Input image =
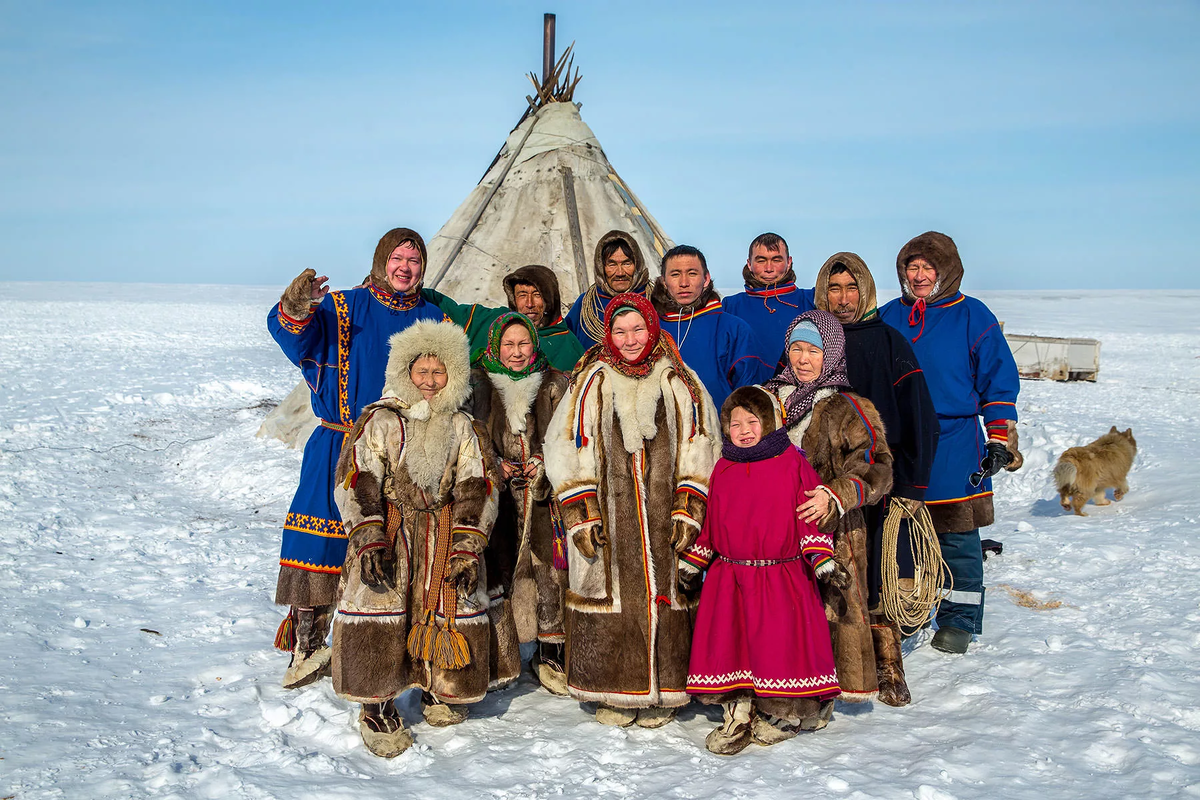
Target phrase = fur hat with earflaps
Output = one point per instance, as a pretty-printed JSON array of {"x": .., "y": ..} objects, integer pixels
[
  {"x": 942, "y": 254},
  {"x": 448, "y": 343},
  {"x": 759, "y": 402},
  {"x": 390, "y": 241}
]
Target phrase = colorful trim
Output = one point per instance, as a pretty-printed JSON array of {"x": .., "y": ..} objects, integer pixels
[
  {"x": 786, "y": 288},
  {"x": 574, "y": 497},
  {"x": 292, "y": 326},
  {"x": 315, "y": 526},
  {"x": 335, "y": 426},
  {"x": 744, "y": 679},
  {"x": 860, "y": 490},
  {"x": 695, "y": 559},
  {"x": 998, "y": 403},
  {"x": 394, "y": 302},
  {"x": 309, "y": 567},
  {"x": 343, "y": 340},
  {"x": 693, "y": 488},
  {"x": 870, "y": 454},
  {"x": 366, "y": 523},
  {"x": 997, "y": 430},
  {"x": 957, "y": 499},
  {"x": 580, "y": 439},
  {"x": 905, "y": 375},
  {"x": 680, "y": 316}
]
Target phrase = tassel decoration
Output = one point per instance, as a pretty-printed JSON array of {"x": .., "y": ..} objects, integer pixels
[
  {"x": 451, "y": 651},
  {"x": 559, "y": 542},
  {"x": 285, "y": 637}
]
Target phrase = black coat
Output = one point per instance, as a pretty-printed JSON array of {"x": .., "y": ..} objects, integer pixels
[{"x": 883, "y": 369}]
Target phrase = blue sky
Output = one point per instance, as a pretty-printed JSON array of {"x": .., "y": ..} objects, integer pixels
[{"x": 223, "y": 142}]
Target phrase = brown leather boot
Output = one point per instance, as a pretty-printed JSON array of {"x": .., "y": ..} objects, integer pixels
[{"x": 889, "y": 664}]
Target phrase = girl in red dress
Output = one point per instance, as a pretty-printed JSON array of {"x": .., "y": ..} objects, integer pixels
[{"x": 761, "y": 646}]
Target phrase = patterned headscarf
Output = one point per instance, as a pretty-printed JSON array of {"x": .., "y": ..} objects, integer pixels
[
  {"x": 490, "y": 359},
  {"x": 833, "y": 368},
  {"x": 658, "y": 344}
]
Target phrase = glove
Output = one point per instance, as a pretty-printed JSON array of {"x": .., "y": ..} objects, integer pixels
[
  {"x": 588, "y": 540},
  {"x": 464, "y": 572},
  {"x": 683, "y": 535},
  {"x": 995, "y": 459},
  {"x": 834, "y": 574},
  {"x": 372, "y": 567}
]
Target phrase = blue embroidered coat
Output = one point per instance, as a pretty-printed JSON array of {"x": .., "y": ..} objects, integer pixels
[
  {"x": 970, "y": 372},
  {"x": 341, "y": 350},
  {"x": 769, "y": 312}
]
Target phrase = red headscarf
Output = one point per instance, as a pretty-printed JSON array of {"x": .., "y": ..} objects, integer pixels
[{"x": 658, "y": 344}]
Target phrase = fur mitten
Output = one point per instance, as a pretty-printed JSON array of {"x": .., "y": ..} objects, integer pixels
[
  {"x": 683, "y": 534},
  {"x": 589, "y": 538},
  {"x": 1017, "y": 458},
  {"x": 463, "y": 571},
  {"x": 296, "y": 301},
  {"x": 834, "y": 574}
]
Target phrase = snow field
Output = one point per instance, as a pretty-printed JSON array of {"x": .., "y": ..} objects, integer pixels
[{"x": 133, "y": 495}]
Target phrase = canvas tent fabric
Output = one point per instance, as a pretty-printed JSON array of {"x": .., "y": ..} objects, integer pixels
[{"x": 547, "y": 199}]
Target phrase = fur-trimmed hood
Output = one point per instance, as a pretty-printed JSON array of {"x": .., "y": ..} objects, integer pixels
[
  {"x": 389, "y": 242},
  {"x": 759, "y": 402},
  {"x": 547, "y": 284},
  {"x": 445, "y": 340},
  {"x": 862, "y": 276},
  {"x": 665, "y": 304},
  {"x": 641, "y": 273},
  {"x": 941, "y": 252},
  {"x": 752, "y": 281}
]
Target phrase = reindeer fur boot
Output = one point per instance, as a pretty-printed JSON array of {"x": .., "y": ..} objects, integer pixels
[
  {"x": 889, "y": 664},
  {"x": 310, "y": 656},
  {"x": 382, "y": 730},
  {"x": 549, "y": 668},
  {"x": 439, "y": 714},
  {"x": 655, "y": 717},
  {"x": 733, "y": 735},
  {"x": 820, "y": 719},
  {"x": 619, "y": 717}
]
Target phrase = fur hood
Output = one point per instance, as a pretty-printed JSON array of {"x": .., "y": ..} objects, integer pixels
[
  {"x": 665, "y": 304},
  {"x": 862, "y": 276},
  {"x": 547, "y": 284},
  {"x": 390, "y": 241},
  {"x": 940, "y": 251},
  {"x": 641, "y": 273},
  {"x": 759, "y": 402},
  {"x": 752, "y": 281},
  {"x": 445, "y": 340}
]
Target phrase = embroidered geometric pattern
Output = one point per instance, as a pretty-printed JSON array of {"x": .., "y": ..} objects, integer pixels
[
  {"x": 744, "y": 678},
  {"x": 309, "y": 567},
  {"x": 343, "y": 334},
  {"x": 304, "y": 523},
  {"x": 681, "y": 316},
  {"x": 290, "y": 325},
  {"x": 395, "y": 302}
]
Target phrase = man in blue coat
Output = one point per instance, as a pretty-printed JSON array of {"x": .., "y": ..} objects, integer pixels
[
  {"x": 618, "y": 267},
  {"x": 771, "y": 300},
  {"x": 971, "y": 374},
  {"x": 719, "y": 347},
  {"x": 339, "y": 340}
]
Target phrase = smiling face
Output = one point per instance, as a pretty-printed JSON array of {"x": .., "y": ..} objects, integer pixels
[
  {"x": 806, "y": 361},
  {"x": 685, "y": 279},
  {"x": 618, "y": 270},
  {"x": 921, "y": 276},
  {"x": 629, "y": 335},
  {"x": 428, "y": 374},
  {"x": 404, "y": 268},
  {"x": 769, "y": 266},
  {"x": 528, "y": 301},
  {"x": 516, "y": 347},
  {"x": 745, "y": 429},
  {"x": 842, "y": 296}
]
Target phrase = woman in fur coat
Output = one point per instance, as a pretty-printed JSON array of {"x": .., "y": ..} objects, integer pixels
[
  {"x": 629, "y": 453},
  {"x": 761, "y": 645},
  {"x": 414, "y": 494},
  {"x": 515, "y": 392},
  {"x": 843, "y": 438}
]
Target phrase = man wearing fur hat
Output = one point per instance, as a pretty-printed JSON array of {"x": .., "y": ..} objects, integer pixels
[
  {"x": 418, "y": 502},
  {"x": 772, "y": 299},
  {"x": 718, "y": 346},
  {"x": 971, "y": 374},
  {"x": 618, "y": 267},
  {"x": 881, "y": 367},
  {"x": 339, "y": 342}
]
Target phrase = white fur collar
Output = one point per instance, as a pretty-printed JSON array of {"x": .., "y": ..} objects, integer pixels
[
  {"x": 517, "y": 395},
  {"x": 796, "y": 434},
  {"x": 635, "y": 401}
]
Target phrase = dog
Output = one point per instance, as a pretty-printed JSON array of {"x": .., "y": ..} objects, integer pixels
[{"x": 1085, "y": 472}]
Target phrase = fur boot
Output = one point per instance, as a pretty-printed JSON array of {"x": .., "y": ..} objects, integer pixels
[
  {"x": 310, "y": 656},
  {"x": 655, "y": 716},
  {"x": 382, "y": 730},
  {"x": 820, "y": 719},
  {"x": 889, "y": 664},
  {"x": 439, "y": 714},
  {"x": 767, "y": 730},
  {"x": 733, "y": 735},
  {"x": 549, "y": 668},
  {"x": 619, "y": 717}
]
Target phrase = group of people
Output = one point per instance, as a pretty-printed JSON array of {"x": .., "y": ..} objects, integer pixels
[{"x": 671, "y": 494}]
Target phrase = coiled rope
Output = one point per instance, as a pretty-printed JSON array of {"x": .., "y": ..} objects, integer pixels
[{"x": 911, "y": 607}]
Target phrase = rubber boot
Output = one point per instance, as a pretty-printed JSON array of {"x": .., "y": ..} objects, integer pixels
[
  {"x": 951, "y": 640},
  {"x": 889, "y": 664},
  {"x": 549, "y": 668},
  {"x": 733, "y": 735},
  {"x": 310, "y": 657},
  {"x": 382, "y": 730}
]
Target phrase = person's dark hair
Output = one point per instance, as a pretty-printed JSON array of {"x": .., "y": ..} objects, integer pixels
[
  {"x": 518, "y": 284},
  {"x": 838, "y": 268},
  {"x": 771, "y": 241},
  {"x": 683, "y": 250},
  {"x": 612, "y": 247}
]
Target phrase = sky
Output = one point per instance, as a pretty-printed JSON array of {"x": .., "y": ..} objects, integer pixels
[{"x": 242, "y": 142}]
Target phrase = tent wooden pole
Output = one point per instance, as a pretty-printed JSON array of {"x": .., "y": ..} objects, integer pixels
[{"x": 547, "y": 47}]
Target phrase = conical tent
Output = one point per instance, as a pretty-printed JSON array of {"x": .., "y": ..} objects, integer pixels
[{"x": 548, "y": 198}]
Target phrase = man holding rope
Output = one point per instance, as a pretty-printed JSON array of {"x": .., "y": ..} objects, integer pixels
[{"x": 881, "y": 366}]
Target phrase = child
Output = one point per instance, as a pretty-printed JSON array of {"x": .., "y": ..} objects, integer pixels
[{"x": 761, "y": 647}]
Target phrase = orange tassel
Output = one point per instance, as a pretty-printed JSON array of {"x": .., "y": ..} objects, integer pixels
[{"x": 285, "y": 637}]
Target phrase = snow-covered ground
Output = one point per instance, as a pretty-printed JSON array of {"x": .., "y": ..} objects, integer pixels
[{"x": 139, "y": 529}]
